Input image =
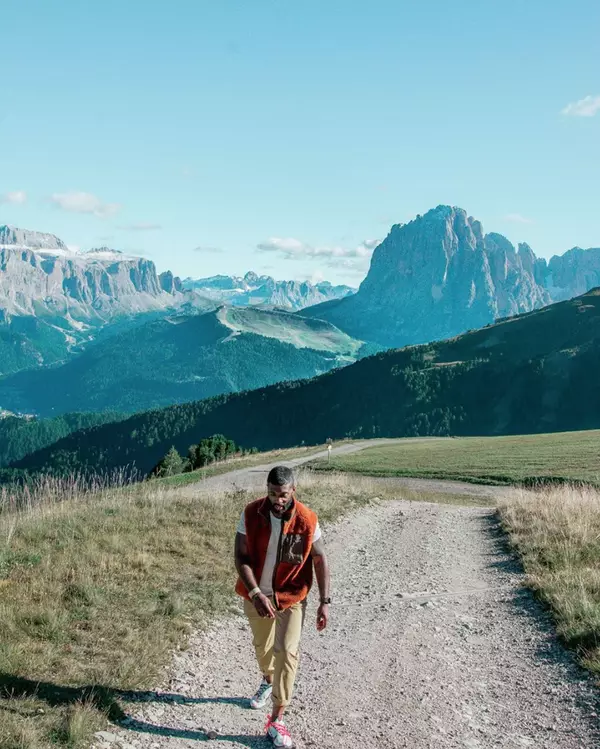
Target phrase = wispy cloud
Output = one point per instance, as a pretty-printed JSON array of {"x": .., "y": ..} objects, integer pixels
[
  {"x": 84, "y": 202},
  {"x": 334, "y": 256},
  {"x": 209, "y": 249},
  {"x": 141, "y": 226},
  {"x": 16, "y": 197},
  {"x": 586, "y": 107},
  {"x": 516, "y": 218}
]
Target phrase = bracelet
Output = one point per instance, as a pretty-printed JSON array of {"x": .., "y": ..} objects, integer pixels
[{"x": 253, "y": 593}]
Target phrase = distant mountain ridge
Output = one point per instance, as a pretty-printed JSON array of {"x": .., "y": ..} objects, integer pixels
[
  {"x": 253, "y": 290},
  {"x": 45, "y": 277},
  {"x": 440, "y": 275},
  {"x": 533, "y": 373},
  {"x": 53, "y": 299}
]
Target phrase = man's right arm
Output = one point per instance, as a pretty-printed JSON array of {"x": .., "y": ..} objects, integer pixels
[{"x": 242, "y": 564}]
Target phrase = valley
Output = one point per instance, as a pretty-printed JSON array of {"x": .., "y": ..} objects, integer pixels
[
  {"x": 182, "y": 358},
  {"x": 532, "y": 373}
]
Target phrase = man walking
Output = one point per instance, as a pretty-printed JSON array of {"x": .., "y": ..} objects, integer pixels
[{"x": 278, "y": 541}]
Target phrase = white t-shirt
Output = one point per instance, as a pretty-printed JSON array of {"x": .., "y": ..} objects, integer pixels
[{"x": 266, "y": 579}]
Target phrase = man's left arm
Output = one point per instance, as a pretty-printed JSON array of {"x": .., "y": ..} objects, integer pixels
[{"x": 323, "y": 579}]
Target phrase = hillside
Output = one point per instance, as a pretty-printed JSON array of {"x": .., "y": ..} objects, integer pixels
[
  {"x": 182, "y": 358},
  {"x": 21, "y": 435},
  {"x": 441, "y": 275},
  {"x": 532, "y": 373}
]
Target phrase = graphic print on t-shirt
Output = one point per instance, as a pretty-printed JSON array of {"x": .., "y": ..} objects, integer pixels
[{"x": 292, "y": 548}]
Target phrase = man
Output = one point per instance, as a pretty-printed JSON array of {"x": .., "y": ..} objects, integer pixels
[{"x": 278, "y": 541}]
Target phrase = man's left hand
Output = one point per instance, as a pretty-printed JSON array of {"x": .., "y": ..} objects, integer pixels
[{"x": 322, "y": 616}]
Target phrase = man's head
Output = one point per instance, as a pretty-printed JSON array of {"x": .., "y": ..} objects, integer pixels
[{"x": 281, "y": 485}]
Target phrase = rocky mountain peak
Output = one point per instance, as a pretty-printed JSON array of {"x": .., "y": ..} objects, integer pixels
[
  {"x": 40, "y": 277},
  {"x": 435, "y": 277},
  {"x": 11, "y": 236}
]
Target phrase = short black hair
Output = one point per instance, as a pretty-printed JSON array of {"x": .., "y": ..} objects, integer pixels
[{"x": 280, "y": 476}]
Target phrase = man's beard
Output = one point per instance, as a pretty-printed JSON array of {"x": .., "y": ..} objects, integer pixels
[{"x": 279, "y": 512}]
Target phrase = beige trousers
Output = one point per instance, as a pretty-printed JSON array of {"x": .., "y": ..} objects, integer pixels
[{"x": 277, "y": 645}]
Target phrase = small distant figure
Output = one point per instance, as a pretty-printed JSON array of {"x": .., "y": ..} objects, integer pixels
[
  {"x": 278, "y": 542},
  {"x": 329, "y": 448}
]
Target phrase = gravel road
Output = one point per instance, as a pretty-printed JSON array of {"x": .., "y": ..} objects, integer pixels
[
  {"x": 433, "y": 644},
  {"x": 255, "y": 478}
]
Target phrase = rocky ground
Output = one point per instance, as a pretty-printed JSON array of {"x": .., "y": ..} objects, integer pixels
[{"x": 433, "y": 644}]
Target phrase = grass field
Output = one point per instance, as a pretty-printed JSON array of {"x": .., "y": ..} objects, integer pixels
[
  {"x": 557, "y": 534},
  {"x": 96, "y": 591},
  {"x": 568, "y": 456}
]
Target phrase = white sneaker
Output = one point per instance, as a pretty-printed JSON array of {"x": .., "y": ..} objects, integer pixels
[
  {"x": 278, "y": 732},
  {"x": 262, "y": 696}
]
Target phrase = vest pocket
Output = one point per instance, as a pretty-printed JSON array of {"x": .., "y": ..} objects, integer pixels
[{"x": 292, "y": 548}]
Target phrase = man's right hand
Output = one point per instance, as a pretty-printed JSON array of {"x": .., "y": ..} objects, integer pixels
[{"x": 264, "y": 606}]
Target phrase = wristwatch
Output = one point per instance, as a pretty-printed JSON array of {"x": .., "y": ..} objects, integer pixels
[{"x": 325, "y": 601}]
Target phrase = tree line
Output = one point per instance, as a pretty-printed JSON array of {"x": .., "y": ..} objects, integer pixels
[{"x": 209, "y": 450}]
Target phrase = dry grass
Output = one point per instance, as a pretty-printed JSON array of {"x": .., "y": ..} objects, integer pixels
[
  {"x": 98, "y": 589},
  {"x": 557, "y": 533}
]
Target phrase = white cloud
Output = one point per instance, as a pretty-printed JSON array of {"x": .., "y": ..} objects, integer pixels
[
  {"x": 141, "y": 226},
  {"x": 84, "y": 202},
  {"x": 209, "y": 249},
  {"x": 516, "y": 218},
  {"x": 17, "y": 197},
  {"x": 334, "y": 256},
  {"x": 586, "y": 107}
]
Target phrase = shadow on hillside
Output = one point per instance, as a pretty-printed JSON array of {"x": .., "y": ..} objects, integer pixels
[
  {"x": 549, "y": 648},
  {"x": 108, "y": 701}
]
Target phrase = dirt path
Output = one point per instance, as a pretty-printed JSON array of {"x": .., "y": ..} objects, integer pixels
[
  {"x": 433, "y": 644},
  {"x": 255, "y": 477}
]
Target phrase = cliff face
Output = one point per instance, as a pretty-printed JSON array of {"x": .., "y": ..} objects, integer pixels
[
  {"x": 39, "y": 276},
  {"x": 574, "y": 273},
  {"x": 436, "y": 277},
  {"x": 52, "y": 299}
]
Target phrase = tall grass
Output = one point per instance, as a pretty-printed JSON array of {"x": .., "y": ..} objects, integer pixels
[
  {"x": 99, "y": 584},
  {"x": 46, "y": 491},
  {"x": 557, "y": 533}
]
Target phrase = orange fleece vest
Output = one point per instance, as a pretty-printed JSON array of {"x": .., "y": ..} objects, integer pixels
[{"x": 293, "y": 574}]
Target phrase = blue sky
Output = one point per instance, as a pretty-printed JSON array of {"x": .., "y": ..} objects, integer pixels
[{"x": 283, "y": 136}]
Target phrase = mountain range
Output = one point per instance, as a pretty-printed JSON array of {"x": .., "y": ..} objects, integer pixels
[
  {"x": 251, "y": 289},
  {"x": 536, "y": 372},
  {"x": 101, "y": 330},
  {"x": 440, "y": 275},
  {"x": 53, "y": 300}
]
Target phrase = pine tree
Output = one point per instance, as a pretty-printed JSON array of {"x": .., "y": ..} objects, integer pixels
[{"x": 170, "y": 465}]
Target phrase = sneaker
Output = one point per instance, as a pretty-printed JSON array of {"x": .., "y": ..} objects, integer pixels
[
  {"x": 278, "y": 732},
  {"x": 262, "y": 696}
]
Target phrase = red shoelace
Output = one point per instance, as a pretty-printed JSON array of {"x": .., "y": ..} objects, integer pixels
[{"x": 281, "y": 728}]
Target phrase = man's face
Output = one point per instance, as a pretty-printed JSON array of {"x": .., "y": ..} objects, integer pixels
[{"x": 280, "y": 497}]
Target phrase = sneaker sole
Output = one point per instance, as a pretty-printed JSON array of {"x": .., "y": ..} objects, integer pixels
[
  {"x": 270, "y": 740},
  {"x": 260, "y": 706}
]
